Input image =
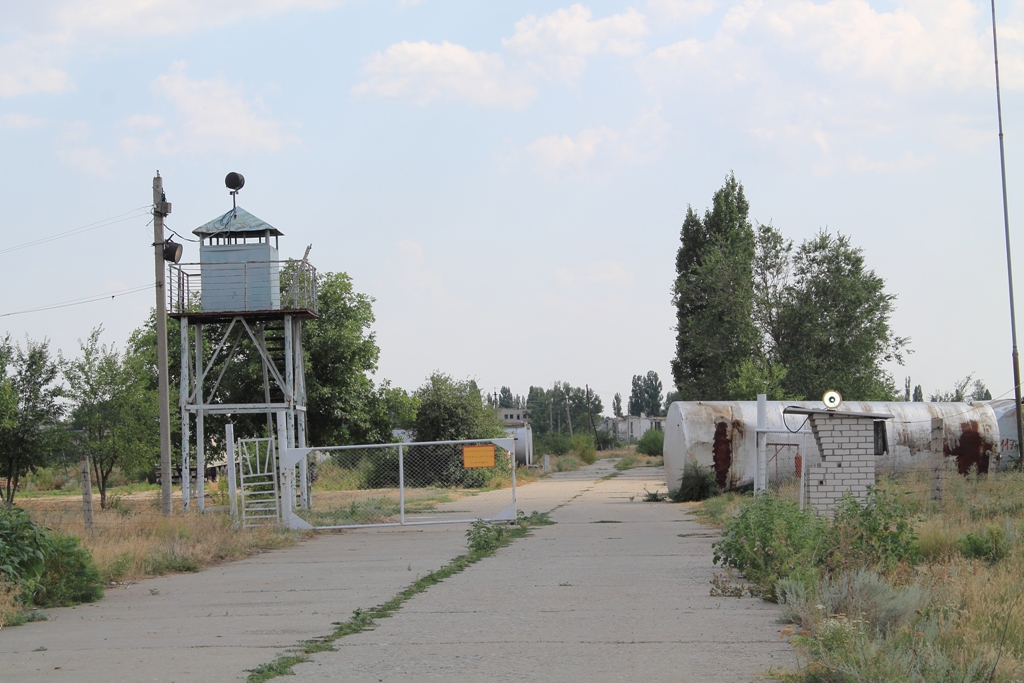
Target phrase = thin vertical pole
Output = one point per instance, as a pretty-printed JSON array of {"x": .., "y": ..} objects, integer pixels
[
  {"x": 1006, "y": 231},
  {"x": 513, "y": 455},
  {"x": 401, "y": 484},
  {"x": 298, "y": 403},
  {"x": 200, "y": 431},
  {"x": 229, "y": 442},
  {"x": 183, "y": 399},
  {"x": 266, "y": 376},
  {"x": 761, "y": 474},
  {"x": 287, "y": 474},
  {"x": 86, "y": 481},
  {"x": 161, "y": 207}
]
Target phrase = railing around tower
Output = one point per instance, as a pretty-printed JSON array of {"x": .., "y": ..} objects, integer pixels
[{"x": 297, "y": 281}]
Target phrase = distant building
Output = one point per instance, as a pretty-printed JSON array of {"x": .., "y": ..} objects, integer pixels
[
  {"x": 513, "y": 416},
  {"x": 630, "y": 429}
]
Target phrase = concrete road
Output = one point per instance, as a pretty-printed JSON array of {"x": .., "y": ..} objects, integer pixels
[
  {"x": 215, "y": 624},
  {"x": 617, "y": 590},
  {"x": 635, "y": 602}
]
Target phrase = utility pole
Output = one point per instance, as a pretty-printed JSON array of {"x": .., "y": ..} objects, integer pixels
[
  {"x": 1009, "y": 267},
  {"x": 161, "y": 207}
]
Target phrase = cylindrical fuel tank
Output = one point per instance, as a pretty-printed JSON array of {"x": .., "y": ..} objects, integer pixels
[
  {"x": 523, "y": 434},
  {"x": 720, "y": 435}
]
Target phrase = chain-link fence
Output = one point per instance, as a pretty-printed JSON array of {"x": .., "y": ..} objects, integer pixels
[{"x": 411, "y": 483}]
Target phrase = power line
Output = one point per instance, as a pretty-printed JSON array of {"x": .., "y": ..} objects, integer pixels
[
  {"x": 130, "y": 215},
  {"x": 82, "y": 300}
]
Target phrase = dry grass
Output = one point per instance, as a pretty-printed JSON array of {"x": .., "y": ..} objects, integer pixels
[
  {"x": 634, "y": 459},
  {"x": 134, "y": 540},
  {"x": 10, "y": 607}
]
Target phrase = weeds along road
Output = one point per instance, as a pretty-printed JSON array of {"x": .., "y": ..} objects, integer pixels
[{"x": 611, "y": 591}]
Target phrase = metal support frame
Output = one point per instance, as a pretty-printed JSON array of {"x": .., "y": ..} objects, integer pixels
[{"x": 289, "y": 413}]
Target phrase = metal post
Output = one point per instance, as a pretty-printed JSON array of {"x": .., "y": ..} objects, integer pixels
[
  {"x": 86, "y": 481},
  {"x": 200, "y": 432},
  {"x": 299, "y": 415},
  {"x": 1009, "y": 266},
  {"x": 161, "y": 208},
  {"x": 401, "y": 484},
  {"x": 513, "y": 456},
  {"x": 289, "y": 383},
  {"x": 760, "y": 477},
  {"x": 803, "y": 469},
  {"x": 286, "y": 474},
  {"x": 183, "y": 400},
  {"x": 229, "y": 443}
]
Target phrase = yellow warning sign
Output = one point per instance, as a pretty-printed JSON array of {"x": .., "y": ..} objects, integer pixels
[{"x": 478, "y": 456}]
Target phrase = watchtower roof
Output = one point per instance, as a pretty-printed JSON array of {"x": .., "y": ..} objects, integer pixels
[{"x": 237, "y": 223}]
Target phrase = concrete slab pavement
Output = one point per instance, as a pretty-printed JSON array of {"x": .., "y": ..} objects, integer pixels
[
  {"x": 215, "y": 624},
  {"x": 618, "y": 589}
]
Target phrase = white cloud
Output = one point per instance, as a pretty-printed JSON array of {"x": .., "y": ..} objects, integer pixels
[
  {"x": 566, "y": 37},
  {"x": 92, "y": 160},
  {"x": 426, "y": 72},
  {"x": 47, "y": 34},
  {"x": 603, "y": 272},
  {"x": 215, "y": 115},
  {"x": 20, "y": 121},
  {"x": 639, "y": 144},
  {"x": 907, "y": 163},
  {"x": 681, "y": 10},
  {"x": 559, "y": 151}
]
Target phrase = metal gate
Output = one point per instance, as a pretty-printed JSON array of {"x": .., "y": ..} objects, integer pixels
[
  {"x": 407, "y": 484},
  {"x": 257, "y": 482}
]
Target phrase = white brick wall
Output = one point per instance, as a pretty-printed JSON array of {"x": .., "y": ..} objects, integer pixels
[{"x": 847, "y": 446}]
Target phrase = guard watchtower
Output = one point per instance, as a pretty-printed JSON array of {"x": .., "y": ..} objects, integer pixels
[{"x": 244, "y": 291}]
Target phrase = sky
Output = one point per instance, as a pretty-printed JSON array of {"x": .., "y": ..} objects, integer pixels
[{"x": 507, "y": 179}]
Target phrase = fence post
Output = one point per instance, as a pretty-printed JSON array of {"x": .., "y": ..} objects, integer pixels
[
  {"x": 938, "y": 432},
  {"x": 760, "y": 483},
  {"x": 401, "y": 484},
  {"x": 547, "y": 462},
  {"x": 86, "y": 480},
  {"x": 229, "y": 441}
]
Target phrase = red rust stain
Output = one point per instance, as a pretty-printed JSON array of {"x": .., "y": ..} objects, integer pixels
[
  {"x": 798, "y": 462},
  {"x": 971, "y": 450},
  {"x": 722, "y": 450}
]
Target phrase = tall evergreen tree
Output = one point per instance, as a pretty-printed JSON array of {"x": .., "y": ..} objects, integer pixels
[{"x": 713, "y": 296}]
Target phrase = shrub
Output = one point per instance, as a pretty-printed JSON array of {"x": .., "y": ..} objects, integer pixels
[
  {"x": 697, "y": 483},
  {"x": 606, "y": 440},
  {"x": 990, "y": 546},
  {"x": 878, "y": 533},
  {"x": 864, "y": 594},
  {"x": 771, "y": 539},
  {"x": 651, "y": 443},
  {"x": 554, "y": 443},
  {"x": 24, "y": 546},
  {"x": 567, "y": 463},
  {"x": 583, "y": 448},
  {"x": 70, "y": 576}
]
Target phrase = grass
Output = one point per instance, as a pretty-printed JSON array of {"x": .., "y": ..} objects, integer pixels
[
  {"x": 951, "y": 611},
  {"x": 633, "y": 459},
  {"x": 135, "y": 540},
  {"x": 567, "y": 463},
  {"x": 483, "y": 540}
]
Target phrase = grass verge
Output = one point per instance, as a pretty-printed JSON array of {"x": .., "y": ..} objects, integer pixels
[
  {"x": 483, "y": 540},
  {"x": 632, "y": 460}
]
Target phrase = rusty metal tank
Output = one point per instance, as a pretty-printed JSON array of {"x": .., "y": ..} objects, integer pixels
[{"x": 720, "y": 435}]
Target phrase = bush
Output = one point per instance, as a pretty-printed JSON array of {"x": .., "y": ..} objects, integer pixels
[
  {"x": 567, "y": 463},
  {"x": 583, "y": 448},
  {"x": 554, "y": 443},
  {"x": 70, "y": 576},
  {"x": 990, "y": 546},
  {"x": 606, "y": 440},
  {"x": 24, "y": 546},
  {"x": 651, "y": 443},
  {"x": 771, "y": 539},
  {"x": 696, "y": 484},
  {"x": 878, "y": 533}
]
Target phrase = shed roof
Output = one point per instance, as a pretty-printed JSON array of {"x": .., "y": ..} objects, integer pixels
[{"x": 236, "y": 222}]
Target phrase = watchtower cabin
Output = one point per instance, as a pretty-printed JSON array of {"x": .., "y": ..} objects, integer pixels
[{"x": 243, "y": 288}]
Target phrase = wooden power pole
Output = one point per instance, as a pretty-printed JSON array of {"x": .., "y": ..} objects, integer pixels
[{"x": 161, "y": 207}]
